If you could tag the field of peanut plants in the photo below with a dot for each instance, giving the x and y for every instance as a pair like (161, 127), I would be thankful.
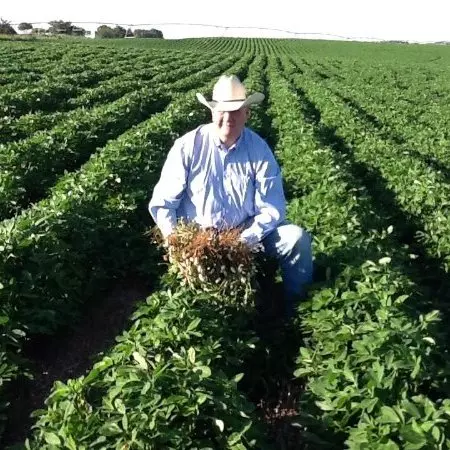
(362, 133)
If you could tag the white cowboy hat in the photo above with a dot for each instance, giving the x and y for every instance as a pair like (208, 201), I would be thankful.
(229, 94)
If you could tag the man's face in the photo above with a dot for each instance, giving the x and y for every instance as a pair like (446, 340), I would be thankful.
(229, 124)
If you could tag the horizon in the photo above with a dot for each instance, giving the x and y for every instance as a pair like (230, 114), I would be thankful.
(345, 20)
(240, 32)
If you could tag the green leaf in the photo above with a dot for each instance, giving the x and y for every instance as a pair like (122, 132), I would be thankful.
(369, 404)
(99, 440)
(412, 436)
(142, 363)
(390, 445)
(238, 446)
(18, 332)
(432, 316)
(388, 415)
(416, 369)
(420, 429)
(411, 408)
(325, 406)
(101, 366)
(205, 371)
(238, 377)
(436, 433)
(52, 439)
(429, 339)
(194, 324)
(3, 320)
(70, 443)
(349, 375)
(125, 422)
(219, 424)
(110, 429)
(60, 390)
(191, 355)
(234, 439)
(384, 261)
(301, 372)
(118, 403)
(401, 299)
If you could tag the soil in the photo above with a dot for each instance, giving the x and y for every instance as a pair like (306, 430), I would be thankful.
(273, 388)
(70, 354)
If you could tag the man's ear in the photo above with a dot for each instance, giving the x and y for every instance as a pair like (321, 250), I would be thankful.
(249, 113)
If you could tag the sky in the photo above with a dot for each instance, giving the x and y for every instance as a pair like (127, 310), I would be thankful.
(418, 21)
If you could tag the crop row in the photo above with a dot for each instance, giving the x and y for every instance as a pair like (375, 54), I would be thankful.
(69, 63)
(369, 358)
(233, 45)
(56, 58)
(22, 78)
(72, 64)
(51, 94)
(413, 146)
(47, 94)
(417, 122)
(88, 230)
(255, 82)
(190, 401)
(18, 58)
(416, 190)
(144, 73)
(420, 91)
(170, 382)
(32, 166)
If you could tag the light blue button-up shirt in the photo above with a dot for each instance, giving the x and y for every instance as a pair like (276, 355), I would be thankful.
(204, 182)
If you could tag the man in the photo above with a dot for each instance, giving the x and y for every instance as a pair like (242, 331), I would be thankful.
(224, 175)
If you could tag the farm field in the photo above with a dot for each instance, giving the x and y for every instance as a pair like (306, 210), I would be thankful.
(362, 133)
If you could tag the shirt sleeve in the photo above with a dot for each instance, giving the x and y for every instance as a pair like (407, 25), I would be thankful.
(270, 202)
(168, 192)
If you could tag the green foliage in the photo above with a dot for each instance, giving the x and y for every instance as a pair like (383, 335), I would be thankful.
(361, 132)
(114, 82)
(369, 358)
(170, 382)
(60, 27)
(24, 26)
(90, 229)
(152, 33)
(6, 27)
(106, 32)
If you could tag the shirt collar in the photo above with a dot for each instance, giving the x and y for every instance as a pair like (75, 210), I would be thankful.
(221, 146)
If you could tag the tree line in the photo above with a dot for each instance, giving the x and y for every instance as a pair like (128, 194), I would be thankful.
(61, 27)
(105, 32)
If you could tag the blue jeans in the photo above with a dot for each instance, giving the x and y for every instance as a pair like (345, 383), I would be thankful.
(291, 246)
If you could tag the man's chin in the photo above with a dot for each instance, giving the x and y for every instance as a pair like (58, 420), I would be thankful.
(227, 134)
